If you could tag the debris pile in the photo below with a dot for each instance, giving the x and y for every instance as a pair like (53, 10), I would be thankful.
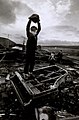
(65, 99)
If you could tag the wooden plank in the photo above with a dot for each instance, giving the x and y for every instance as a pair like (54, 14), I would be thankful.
(28, 86)
(22, 81)
(33, 88)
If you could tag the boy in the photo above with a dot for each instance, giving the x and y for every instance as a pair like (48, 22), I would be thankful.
(31, 43)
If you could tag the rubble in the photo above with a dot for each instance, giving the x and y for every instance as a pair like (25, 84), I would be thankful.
(65, 99)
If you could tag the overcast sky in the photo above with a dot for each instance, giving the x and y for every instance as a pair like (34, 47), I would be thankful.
(59, 19)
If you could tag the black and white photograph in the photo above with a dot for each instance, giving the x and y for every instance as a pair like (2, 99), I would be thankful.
(39, 59)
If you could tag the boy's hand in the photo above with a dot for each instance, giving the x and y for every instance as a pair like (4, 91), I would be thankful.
(34, 18)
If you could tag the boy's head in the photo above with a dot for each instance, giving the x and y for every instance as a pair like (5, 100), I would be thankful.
(33, 30)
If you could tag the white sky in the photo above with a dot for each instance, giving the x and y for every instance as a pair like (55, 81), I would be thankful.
(59, 19)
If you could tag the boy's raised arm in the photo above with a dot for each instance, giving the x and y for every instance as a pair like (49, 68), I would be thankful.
(28, 27)
(39, 27)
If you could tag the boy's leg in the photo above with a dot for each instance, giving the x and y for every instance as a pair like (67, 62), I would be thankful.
(31, 66)
(32, 63)
(26, 68)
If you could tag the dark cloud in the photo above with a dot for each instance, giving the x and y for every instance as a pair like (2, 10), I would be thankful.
(10, 9)
(66, 28)
(74, 5)
(7, 14)
(72, 18)
(21, 8)
(63, 29)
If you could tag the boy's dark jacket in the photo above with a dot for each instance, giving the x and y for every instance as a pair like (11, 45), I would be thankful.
(32, 40)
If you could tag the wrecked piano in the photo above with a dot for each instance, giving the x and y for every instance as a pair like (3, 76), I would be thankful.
(37, 90)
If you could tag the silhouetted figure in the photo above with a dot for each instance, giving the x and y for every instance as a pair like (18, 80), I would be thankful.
(52, 59)
(59, 56)
(31, 43)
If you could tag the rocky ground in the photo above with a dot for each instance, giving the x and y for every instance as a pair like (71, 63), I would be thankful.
(65, 100)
